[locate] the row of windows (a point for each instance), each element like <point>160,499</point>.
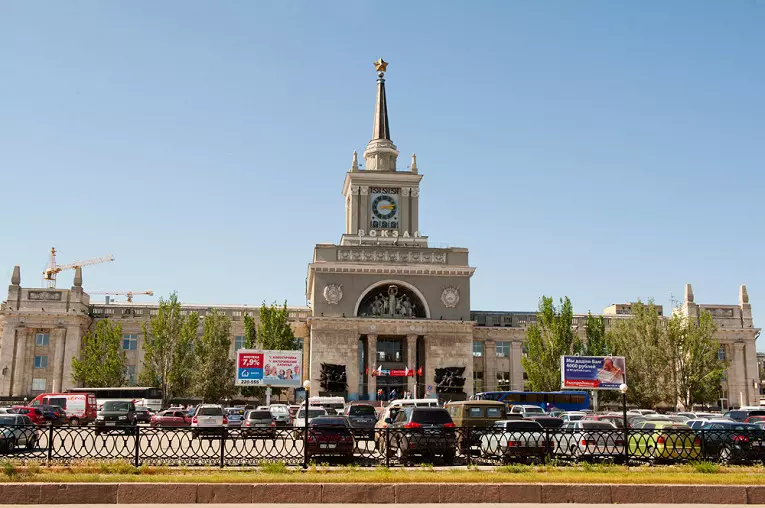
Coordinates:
<point>502,349</point>
<point>503,381</point>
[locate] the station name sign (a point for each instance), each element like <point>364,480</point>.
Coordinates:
<point>387,233</point>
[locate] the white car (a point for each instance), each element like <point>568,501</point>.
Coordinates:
<point>573,416</point>
<point>281,415</point>
<point>299,422</point>
<point>527,410</point>
<point>208,419</point>
<point>588,438</point>
<point>515,440</point>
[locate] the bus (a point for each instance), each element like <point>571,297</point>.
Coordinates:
<point>566,401</point>
<point>141,396</point>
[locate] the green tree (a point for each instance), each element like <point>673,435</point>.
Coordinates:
<point>214,372</point>
<point>546,341</point>
<point>697,369</point>
<point>274,330</point>
<point>642,340</point>
<point>102,361</point>
<point>169,350</point>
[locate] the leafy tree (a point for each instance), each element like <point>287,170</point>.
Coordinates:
<point>169,347</point>
<point>546,341</point>
<point>102,361</point>
<point>697,369</point>
<point>642,340</point>
<point>274,330</point>
<point>214,372</point>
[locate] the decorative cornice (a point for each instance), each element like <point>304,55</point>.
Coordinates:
<point>349,268</point>
<point>392,255</point>
<point>377,326</point>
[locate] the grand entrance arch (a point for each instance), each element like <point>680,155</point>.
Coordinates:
<point>392,299</point>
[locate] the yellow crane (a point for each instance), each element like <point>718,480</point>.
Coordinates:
<point>53,269</point>
<point>129,294</point>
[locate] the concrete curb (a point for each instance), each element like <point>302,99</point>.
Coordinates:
<point>410,493</point>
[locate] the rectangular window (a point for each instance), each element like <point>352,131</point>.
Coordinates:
<point>42,339</point>
<point>503,381</point>
<point>493,412</point>
<point>41,362</point>
<point>721,354</point>
<point>239,342</point>
<point>130,341</point>
<point>477,381</point>
<point>503,349</point>
<point>476,412</point>
<point>237,313</point>
<point>477,349</point>
<point>108,311</point>
<point>38,385</point>
<point>130,374</point>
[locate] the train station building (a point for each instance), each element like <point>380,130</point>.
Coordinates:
<point>387,312</point>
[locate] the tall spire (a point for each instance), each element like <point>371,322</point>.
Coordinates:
<point>381,153</point>
<point>381,128</point>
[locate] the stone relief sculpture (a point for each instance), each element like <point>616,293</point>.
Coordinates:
<point>397,303</point>
<point>333,293</point>
<point>450,297</point>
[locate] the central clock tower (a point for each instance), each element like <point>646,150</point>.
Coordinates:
<point>381,202</point>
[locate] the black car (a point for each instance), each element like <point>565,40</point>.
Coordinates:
<point>116,415</point>
<point>142,414</point>
<point>362,419</point>
<point>422,431</point>
<point>53,414</point>
<point>733,441</point>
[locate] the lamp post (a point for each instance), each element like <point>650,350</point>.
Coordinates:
<point>307,386</point>
<point>623,388</point>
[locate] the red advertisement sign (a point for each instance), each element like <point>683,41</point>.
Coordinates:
<point>251,361</point>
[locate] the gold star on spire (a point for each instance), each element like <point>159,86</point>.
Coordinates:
<point>381,65</point>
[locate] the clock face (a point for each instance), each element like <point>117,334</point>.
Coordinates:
<point>384,208</point>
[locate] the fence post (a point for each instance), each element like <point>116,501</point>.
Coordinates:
<point>50,443</point>
<point>387,446</point>
<point>703,448</point>
<point>223,432</point>
<point>137,453</point>
<point>548,451</point>
<point>466,447</point>
<point>627,443</point>
<point>305,438</point>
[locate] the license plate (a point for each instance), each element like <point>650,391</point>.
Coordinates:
<point>111,424</point>
<point>757,443</point>
<point>328,446</point>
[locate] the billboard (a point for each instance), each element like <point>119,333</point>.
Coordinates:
<point>593,372</point>
<point>256,367</point>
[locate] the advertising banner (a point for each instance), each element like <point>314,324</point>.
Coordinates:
<point>593,372</point>
<point>255,367</point>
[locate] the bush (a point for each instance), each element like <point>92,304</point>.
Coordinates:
<point>705,467</point>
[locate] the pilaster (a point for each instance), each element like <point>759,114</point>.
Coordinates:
<point>411,362</point>
<point>7,358</point>
<point>58,339</point>
<point>371,362</point>
<point>516,368</point>
<point>22,363</point>
<point>72,345</point>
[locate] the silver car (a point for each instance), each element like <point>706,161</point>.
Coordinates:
<point>17,430</point>
<point>587,438</point>
<point>515,440</point>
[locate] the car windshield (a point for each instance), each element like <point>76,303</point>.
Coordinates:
<point>116,405</point>
<point>573,417</point>
<point>328,422</point>
<point>210,411</point>
<point>7,420</point>
<point>534,410</point>
<point>260,415</point>
<point>279,409</point>
<point>431,416</point>
<point>362,410</point>
<point>312,413</point>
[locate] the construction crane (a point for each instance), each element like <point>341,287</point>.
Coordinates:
<point>129,294</point>
<point>53,269</point>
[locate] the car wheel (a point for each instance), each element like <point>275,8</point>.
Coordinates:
<point>11,445</point>
<point>31,444</point>
<point>401,454</point>
<point>449,457</point>
<point>725,454</point>
<point>74,422</point>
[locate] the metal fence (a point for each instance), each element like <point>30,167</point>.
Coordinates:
<point>386,446</point>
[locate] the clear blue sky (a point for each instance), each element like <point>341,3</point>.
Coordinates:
<point>601,150</point>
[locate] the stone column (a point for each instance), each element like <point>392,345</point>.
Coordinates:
<point>752,374</point>
<point>516,369</point>
<point>411,362</point>
<point>739,396</point>
<point>352,368</point>
<point>430,366</point>
<point>58,336</point>
<point>72,345</point>
<point>7,360</point>
<point>414,211</point>
<point>21,367</point>
<point>372,363</point>
<point>489,365</point>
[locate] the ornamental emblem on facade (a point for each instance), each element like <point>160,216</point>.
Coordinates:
<point>333,293</point>
<point>450,297</point>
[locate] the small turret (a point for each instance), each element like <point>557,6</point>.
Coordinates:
<point>16,277</point>
<point>355,163</point>
<point>688,293</point>
<point>414,163</point>
<point>78,277</point>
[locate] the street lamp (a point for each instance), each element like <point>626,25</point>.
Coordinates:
<point>307,387</point>
<point>623,388</point>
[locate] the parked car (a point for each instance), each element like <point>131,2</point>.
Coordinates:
<point>116,415</point>
<point>170,418</point>
<point>642,412</point>
<point>572,416</point>
<point>258,423</point>
<point>294,408</point>
<point>422,431</point>
<point>527,410</point>
<point>330,435</point>
<point>755,419</point>
<point>548,422</point>
<point>281,415</point>
<point>234,417</point>
<point>143,414</point>
<point>53,414</point>
<point>80,408</point>
<point>733,441</point>
<point>392,409</point>
<point>616,419</point>
<point>208,420</point>
<point>511,440</point>
<point>660,440</point>
<point>591,439</point>
<point>299,424</point>
<point>34,413</point>
<point>475,414</point>
<point>740,415</point>
<point>17,430</point>
<point>362,418</point>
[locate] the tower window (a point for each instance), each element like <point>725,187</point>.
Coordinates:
<point>42,339</point>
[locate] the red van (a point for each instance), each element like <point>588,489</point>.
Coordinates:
<point>80,408</point>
